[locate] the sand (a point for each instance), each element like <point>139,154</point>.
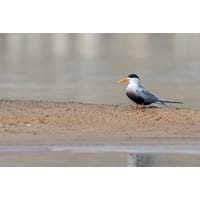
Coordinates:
<point>40,122</point>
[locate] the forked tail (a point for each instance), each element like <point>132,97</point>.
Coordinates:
<point>168,101</point>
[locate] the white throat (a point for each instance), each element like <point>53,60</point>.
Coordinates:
<point>133,85</point>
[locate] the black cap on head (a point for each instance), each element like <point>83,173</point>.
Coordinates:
<point>133,76</point>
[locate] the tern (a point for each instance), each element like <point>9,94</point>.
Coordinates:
<point>137,93</point>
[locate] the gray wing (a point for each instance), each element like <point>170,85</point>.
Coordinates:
<point>146,95</point>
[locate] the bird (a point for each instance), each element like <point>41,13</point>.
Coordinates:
<point>141,96</point>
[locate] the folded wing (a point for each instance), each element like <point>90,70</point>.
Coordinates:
<point>146,95</point>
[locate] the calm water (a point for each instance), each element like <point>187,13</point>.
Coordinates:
<point>85,67</point>
<point>100,155</point>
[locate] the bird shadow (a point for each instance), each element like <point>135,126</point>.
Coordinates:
<point>149,107</point>
<point>131,107</point>
<point>152,107</point>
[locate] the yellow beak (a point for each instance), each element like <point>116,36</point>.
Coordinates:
<point>125,80</point>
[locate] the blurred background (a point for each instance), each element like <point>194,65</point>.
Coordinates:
<point>85,67</point>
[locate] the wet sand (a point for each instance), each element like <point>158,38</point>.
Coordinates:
<point>101,159</point>
<point>39,122</point>
<point>68,159</point>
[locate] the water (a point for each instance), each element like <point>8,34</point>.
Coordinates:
<point>85,67</point>
<point>137,148</point>
<point>100,155</point>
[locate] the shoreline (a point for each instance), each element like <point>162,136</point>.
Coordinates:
<point>42,122</point>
